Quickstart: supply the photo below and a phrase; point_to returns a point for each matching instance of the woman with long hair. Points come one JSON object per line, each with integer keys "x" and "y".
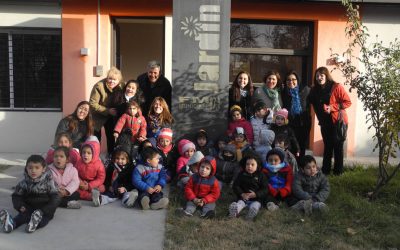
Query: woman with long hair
{"x": 158, "y": 117}
{"x": 241, "y": 92}
{"x": 328, "y": 99}
{"x": 78, "y": 125}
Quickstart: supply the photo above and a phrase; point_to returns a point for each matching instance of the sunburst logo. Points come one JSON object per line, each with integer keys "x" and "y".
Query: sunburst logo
{"x": 191, "y": 26}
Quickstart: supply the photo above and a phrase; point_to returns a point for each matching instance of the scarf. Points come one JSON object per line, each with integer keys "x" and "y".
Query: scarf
{"x": 166, "y": 149}
{"x": 243, "y": 92}
{"x": 273, "y": 95}
{"x": 295, "y": 109}
{"x": 274, "y": 168}
{"x": 154, "y": 123}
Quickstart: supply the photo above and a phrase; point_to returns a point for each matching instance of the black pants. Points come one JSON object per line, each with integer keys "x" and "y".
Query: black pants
{"x": 302, "y": 135}
{"x": 154, "y": 197}
{"x": 73, "y": 197}
{"x": 331, "y": 147}
{"x": 109, "y": 131}
{"x": 25, "y": 217}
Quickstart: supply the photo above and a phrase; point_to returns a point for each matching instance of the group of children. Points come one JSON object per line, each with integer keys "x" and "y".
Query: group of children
{"x": 257, "y": 159}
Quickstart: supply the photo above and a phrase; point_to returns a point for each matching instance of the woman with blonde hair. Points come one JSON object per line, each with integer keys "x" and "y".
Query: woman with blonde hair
{"x": 158, "y": 117}
{"x": 104, "y": 111}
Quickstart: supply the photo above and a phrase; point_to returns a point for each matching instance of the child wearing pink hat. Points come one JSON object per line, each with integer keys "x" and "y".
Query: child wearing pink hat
{"x": 280, "y": 126}
{"x": 186, "y": 149}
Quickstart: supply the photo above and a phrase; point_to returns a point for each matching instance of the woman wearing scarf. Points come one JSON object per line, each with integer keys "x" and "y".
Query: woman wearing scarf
{"x": 295, "y": 101}
{"x": 269, "y": 93}
{"x": 241, "y": 93}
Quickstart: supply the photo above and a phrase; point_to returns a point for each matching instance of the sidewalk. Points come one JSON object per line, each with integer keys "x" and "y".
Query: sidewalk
{"x": 101, "y": 228}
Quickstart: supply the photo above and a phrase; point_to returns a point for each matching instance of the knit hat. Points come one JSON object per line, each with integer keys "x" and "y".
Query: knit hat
{"x": 230, "y": 148}
{"x": 277, "y": 151}
{"x": 235, "y": 108}
{"x": 283, "y": 113}
{"x": 239, "y": 131}
{"x": 184, "y": 145}
{"x": 259, "y": 105}
{"x": 165, "y": 133}
{"x": 196, "y": 157}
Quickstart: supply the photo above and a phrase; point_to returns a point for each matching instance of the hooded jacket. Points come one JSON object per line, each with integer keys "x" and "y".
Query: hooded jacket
{"x": 205, "y": 188}
{"x": 246, "y": 125}
{"x": 280, "y": 183}
{"x": 92, "y": 172}
{"x": 68, "y": 180}
{"x": 246, "y": 182}
{"x": 40, "y": 193}
{"x": 137, "y": 125}
{"x": 311, "y": 187}
{"x": 183, "y": 160}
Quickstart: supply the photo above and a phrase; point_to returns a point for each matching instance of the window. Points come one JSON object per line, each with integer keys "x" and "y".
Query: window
{"x": 257, "y": 47}
{"x": 30, "y": 69}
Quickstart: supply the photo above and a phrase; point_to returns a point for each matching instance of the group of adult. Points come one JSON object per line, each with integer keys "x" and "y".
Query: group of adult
{"x": 327, "y": 98}
{"x": 324, "y": 95}
{"x": 106, "y": 98}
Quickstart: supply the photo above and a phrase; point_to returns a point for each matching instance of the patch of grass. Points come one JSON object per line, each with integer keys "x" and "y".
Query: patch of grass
{"x": 3, "y": 167}
{"x": 353, "y": 222}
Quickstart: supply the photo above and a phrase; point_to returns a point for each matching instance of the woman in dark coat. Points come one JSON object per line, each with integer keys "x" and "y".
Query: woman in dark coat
{"x": 241, "y": 92}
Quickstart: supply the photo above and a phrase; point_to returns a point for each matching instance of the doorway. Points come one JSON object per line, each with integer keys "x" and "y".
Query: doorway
{"x": 136, "y": 41}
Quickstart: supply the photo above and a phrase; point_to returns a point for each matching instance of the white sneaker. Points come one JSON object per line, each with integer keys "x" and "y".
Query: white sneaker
{"x": 233, "y": 210}
{"x": 132, "y": 198}
{"x": 96, "y": 197}
{"x": 73, "y": 204}
{"x": 272, "y": 206}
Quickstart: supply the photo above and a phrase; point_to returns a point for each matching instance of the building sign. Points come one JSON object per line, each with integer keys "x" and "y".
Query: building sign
{"x": 200, "y": 56}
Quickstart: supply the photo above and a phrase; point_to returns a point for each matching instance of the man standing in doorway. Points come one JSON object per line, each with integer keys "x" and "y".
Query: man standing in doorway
{"x": 153, "y": 84}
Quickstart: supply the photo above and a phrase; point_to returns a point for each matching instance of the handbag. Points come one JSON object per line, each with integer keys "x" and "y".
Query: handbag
{"x": 340, "y": 128}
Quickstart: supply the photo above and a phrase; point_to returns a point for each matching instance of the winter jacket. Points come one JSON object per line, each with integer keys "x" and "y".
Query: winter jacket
{"x": 100, "y": 102}
{"x": 311, "y": 187}
{"x": 41, "y": 193}
{"x": 256, "y": 182}
{"x": 168, "y": 160}
{"x": 120, "y": 101}
{"x": 119, "y": 176}
{"x": 78, "y": 136}
{"x": 227, "y": 170}
{"x": 205, "y": 188}
{"x": 332, "y": 94}
{"x": 242, "y": 149}
{"x": 280, "y": 183}
{"x": 145, "y": 176}
{"x": 162, "y": 87}
{"x": 137, "y": 125}
{"x": 260, "y": 96}
{"x": 69, "y": 180}
{"x": 244, "y": 103}
{"x": 304, "y": 118}
{"x": 92, "y": 172}
{"x": 246, "y": 125}
{"x": 73, "y": 158}
{"x": 289, "y": 133}
{"x": 259, "y": 126}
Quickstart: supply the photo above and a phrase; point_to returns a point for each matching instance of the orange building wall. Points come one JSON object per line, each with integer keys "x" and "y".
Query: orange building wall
{"x": 79, "y": 26}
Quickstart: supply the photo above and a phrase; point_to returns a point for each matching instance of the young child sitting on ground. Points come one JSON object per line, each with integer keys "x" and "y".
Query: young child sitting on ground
{"x": 150, "y": 178}
{"x": 310, "y": 187}
{"x": 202, "y": 191}
{"x": 91, "y": 172}
{"x": 186, "y": 149}
{"x": 239, "y": 121}
{"x": 66, "y": 177}
{"x": 35, "y": 198}
{"x": 280, "y": 178}
{"x": 202, "y": 142}
{"x": 165, "y": 148}
{"x": 250, "y": 187}
{"x": 281, "y": 127}
{"x": 118, "y": 182}
{"x": 63, "y": 139}
{"x": 219, "y": 145}
{"x": 263, "y": 136}
{"x": 282, "y": 142}
{"x": 190, "y": 168}
{"x": 227, "y": 166}
{"x": 241, "y": 143}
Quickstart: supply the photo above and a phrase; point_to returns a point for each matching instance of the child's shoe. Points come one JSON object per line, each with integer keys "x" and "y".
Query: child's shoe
{"x": 233, "y": 210}
{"x": 145, "y": 202}
{"x": 73, "y": 204}
{"x": 132, "y": 198}
{"x": 36, "y": 218}
{"x": 6, "y": 221}
{"x": 252, "y": 213}
{"x": 183, "y": 212}
{"x": 162, "y": 203}
{"x": 96, "y": 197}
{"x": 272, "y": 206}
{"x": 209, "y": 215}
{"x": 308, "y": 207}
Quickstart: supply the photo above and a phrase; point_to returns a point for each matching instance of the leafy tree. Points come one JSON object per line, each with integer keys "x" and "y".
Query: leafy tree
{"x": 377, "y": 86}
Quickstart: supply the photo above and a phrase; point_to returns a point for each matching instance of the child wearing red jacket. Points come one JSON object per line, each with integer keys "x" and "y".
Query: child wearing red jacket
{"x": 202, "y": 191}
{"x": 239, "y": 121}
{"x": 133, "y": 120}
{"x": 280, "y": 178}
{"x": 91, "y": 172}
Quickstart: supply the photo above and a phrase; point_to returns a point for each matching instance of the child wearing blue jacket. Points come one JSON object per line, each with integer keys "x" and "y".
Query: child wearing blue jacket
{"x": 149, "y": 178}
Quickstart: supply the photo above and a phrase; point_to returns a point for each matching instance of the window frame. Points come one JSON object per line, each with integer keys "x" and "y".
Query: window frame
{"x": 10, "y": 53}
